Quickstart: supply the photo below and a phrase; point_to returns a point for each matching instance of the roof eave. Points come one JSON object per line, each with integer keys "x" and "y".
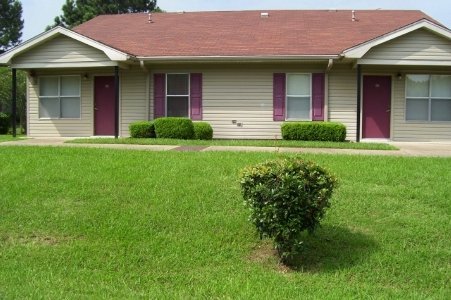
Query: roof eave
{"x": 237, "y": 58}
{"x": 112, "y": 53}
{"x": 360, "y": 50}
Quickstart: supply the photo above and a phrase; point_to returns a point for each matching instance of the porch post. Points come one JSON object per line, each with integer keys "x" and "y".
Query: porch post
{"x": 116, "y": 102}
{"x": 359, "y": 92}
{"x": 14, "y": 100}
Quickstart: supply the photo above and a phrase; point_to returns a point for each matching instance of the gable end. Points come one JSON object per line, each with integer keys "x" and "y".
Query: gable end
{"x": 359, "y": 51}
{"x": 60, "y": 50}
{"x": 413, "y": 48}
{"x": 66, "y": 47}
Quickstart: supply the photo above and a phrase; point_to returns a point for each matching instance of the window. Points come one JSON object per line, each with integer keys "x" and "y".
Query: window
{"x": 59, "y": 97}
{"x": 299, "y": 97}
{"x": 177, "y": 95}
{"x": 428, "y": 98}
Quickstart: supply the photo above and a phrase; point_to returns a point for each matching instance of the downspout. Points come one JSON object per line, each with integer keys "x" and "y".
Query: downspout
{"x": 14, "y": 100}
{"x": 326, "y": 89}
{"x": 359, "y": 91}
{"x": 329, "y": 65}
{"x": 116, "y": 102}
{"x": 143, "y": 66}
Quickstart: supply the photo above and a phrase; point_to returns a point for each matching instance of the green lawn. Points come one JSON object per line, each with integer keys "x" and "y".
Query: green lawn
{"x": 8, "y": 138}
{"x": 258, "y": 143}
{"x": 100, "y": 223}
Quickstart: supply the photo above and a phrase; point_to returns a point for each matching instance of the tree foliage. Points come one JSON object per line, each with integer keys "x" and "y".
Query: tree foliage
{"x": 11, "y": 24}
{"x": 286, "y": 197}
{"x": 5, "y": 93}
{"x": 76, "y": 12}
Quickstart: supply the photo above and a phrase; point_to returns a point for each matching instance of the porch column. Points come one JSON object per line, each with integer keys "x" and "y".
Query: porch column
{"x": 359, "y": 92}
{"x": 116, "y": 102}
{"x": 14, "y": 100}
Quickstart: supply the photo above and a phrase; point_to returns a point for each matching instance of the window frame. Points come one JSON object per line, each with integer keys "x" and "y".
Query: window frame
{"x": 286, "y": 97}
{"x": 167, "y": 95}
{"x": 429, "y": 98}
{"x": 59, "y": 96}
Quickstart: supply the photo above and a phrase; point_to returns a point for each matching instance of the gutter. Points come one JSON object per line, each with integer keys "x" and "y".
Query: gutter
{"x": 220, "y": 58}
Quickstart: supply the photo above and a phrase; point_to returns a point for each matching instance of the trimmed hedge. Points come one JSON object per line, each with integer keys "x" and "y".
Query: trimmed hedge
{"x": 286, "y": 197}
{"x": 5, "y": 120}
{"x": 142, "y": 129}
{"x": 202, "y": 131}
{"x": 314, "y": 131}
{"x": 174, "y": 128}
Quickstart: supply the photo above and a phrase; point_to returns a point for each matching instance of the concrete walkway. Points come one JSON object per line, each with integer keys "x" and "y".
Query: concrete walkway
{"x": 406, "y": 148}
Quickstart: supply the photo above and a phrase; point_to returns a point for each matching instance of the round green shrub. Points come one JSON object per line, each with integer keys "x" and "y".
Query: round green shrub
{"x": 174, "y": 128}
{"x": 202, "y": 131}
{"x": 286, "y": 197}
{"x": 142, "y": 129}
{"x": 5, "y": 122}
{"x": 314, "y": 131}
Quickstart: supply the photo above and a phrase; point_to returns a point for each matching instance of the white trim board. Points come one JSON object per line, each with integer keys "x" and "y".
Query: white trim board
{"x": 410, "y": 62}
{"x": 65, "y": 65}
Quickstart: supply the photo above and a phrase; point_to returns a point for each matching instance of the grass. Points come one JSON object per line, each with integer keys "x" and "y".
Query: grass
{"x": 257, "y": 143}
{"x": 9, "y": 138}
{"x": 100, "y": 223}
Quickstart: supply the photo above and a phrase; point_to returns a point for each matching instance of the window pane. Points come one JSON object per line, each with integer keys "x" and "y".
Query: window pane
{"x": 417, "y": 109}
{"x": 441, "y": 86}
{"x": 177, "y": 84}
{"x": 298, "y": 108}
{"x": 70, "y": 86}
{"x": 441, "y": 110}
{"x": 177, "y": 107}
{"x": 417, "y": 85}
{"x": 70, "y": 107}
{"x": 48, "y": 86}
{"x": 49, "y": 108}
{"x": 298, "y": 84}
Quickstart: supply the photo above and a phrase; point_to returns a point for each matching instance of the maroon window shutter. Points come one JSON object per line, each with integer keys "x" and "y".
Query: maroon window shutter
{"x": 159, "y": 95}
{"x": 196, "y": 96}
{"x": 318, "y": 87}
{"x": 279, "y": 80}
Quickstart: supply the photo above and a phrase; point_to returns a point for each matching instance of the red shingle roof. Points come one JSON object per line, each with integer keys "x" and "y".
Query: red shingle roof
{"x": 245, "y": 33}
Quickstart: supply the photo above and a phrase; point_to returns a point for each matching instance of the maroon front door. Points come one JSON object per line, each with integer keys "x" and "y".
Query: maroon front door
{"x": 104, "y": 105}
{"x": 376, "y": 107}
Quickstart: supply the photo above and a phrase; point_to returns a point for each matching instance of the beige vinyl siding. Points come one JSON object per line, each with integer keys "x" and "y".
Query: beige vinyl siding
{"x": 343, "y": 98}
{"x": 61, "y": 50}
{"x": 417, "y": 45}
{"x": 134, "y": 98}
{"x": 410, "y": 131}
{"x": 245, "y": 97}
{"x": 343, "y": 95}
{"x": 63, "y": 127}
{"x": 415, "y": 131}
{"x": 133, "y": 104}
{"x": 242, "y": 93}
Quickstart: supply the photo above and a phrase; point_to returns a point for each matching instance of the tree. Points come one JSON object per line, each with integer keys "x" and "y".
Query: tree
{"x": 5, "y": 94}
{"x": 76, "y": 12}
{"x": 11, "y": 24}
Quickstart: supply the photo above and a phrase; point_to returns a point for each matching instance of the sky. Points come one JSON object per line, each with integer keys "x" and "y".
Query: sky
{"x": 38, "y": 14}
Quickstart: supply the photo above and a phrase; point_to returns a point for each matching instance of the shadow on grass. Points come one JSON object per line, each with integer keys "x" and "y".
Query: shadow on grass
{"x": 328, "y": 249}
